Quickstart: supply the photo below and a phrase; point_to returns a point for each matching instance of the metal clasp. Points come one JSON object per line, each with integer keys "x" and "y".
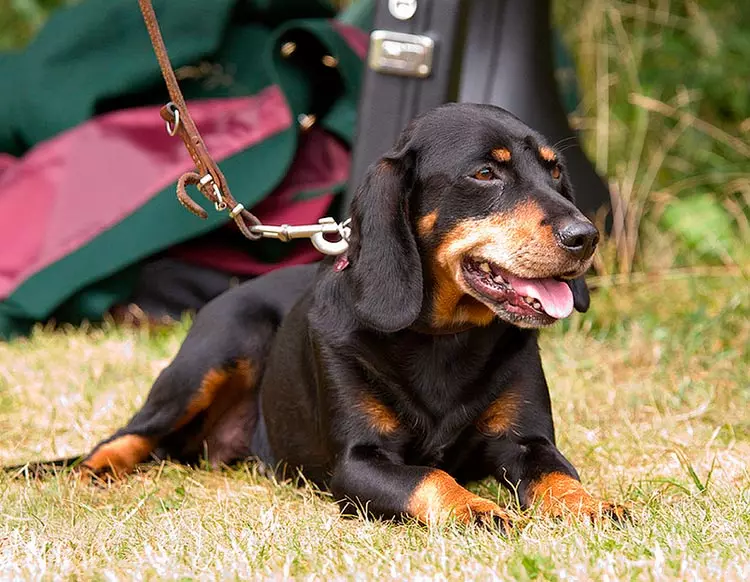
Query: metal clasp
{"x": 315, "y": 232}
{"x": 219, "y": 203}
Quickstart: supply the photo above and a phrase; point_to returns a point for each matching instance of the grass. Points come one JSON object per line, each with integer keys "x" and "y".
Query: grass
{"x": 650, "y": 392}
{"x": 650, "y": 389}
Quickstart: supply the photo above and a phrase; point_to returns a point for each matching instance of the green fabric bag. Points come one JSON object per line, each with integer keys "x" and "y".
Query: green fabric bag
{"x": 96, "y": 57}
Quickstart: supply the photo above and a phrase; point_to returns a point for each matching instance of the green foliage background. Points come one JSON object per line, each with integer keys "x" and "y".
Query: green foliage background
{"x": 665, "y": 114}
{"x": 20, "y": 19}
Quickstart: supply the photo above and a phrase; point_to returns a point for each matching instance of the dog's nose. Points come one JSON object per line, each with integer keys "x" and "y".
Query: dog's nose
{"x": 579, "y": 238}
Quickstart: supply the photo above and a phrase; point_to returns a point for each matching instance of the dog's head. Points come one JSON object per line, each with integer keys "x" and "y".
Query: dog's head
{"x": 468, "y": 218}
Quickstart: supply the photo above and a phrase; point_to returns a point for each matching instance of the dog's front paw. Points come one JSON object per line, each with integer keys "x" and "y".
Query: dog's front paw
{"x": 486, "y": 513}
{"x": 561, "y": 496}
{"x": 589, "y": 508}
{"x": 438, "y": 498}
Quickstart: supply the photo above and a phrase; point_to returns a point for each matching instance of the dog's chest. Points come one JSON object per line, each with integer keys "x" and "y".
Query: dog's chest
{"x": 442, "y": 387}
{"x": 439, "y": 399}
{"x": 435, "y": 448}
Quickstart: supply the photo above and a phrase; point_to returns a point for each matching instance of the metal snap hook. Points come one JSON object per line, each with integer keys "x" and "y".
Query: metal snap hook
{"x": 327, "y": 247}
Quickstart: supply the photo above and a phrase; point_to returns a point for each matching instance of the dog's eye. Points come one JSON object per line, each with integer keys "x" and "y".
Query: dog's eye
{"x": 485, "y": 173}
{"x": 556, "y": 172}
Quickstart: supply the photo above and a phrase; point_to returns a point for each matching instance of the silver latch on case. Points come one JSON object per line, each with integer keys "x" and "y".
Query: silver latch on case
{"x": 397, "y": 53}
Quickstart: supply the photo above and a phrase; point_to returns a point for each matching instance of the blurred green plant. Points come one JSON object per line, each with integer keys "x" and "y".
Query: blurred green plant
{"x": 666, "y": 115}
{"x": 21, "y": 19}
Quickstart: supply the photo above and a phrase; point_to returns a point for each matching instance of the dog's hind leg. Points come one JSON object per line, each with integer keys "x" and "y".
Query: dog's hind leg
{"x": 204, "y": 404}
{"x": 183, "y": 417}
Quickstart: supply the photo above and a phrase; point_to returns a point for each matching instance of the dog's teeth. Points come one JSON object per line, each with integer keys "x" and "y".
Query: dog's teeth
{"x": 537, "y": 305}
{"x": 485, "y": 267}
{"x": 498, "y": 279}
{"x": 529, "y": 300}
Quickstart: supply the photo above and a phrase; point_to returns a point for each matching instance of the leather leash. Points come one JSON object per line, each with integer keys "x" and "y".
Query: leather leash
{"x": 209, "y": 179}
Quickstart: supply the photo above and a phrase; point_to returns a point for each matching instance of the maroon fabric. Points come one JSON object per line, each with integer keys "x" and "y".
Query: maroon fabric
{"x": 68, "y": 190}
{"x": 321, "y": 163}
{"x": 358, "y": 40}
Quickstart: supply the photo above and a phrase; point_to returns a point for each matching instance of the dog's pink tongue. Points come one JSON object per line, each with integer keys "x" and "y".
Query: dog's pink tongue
{"x": 555, "y": 296}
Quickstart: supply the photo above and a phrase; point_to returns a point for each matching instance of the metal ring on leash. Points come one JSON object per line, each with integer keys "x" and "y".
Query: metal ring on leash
{"x": 172, "y": 129}
{"x": 327, "y": 247}
{"x": 236, "y": 210}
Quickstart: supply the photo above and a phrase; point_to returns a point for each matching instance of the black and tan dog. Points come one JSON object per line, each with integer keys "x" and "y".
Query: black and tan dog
{"x": 409, "y": 366}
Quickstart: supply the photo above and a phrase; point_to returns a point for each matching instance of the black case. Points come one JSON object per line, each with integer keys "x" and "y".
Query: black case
{"x": 508, "y": 61}
{"x": 485, "y": 51}
{"x": 389, "y": 100}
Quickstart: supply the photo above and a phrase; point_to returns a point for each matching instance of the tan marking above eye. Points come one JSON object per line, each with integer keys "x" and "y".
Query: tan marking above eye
{"x": 501, "y": 154}
{"x": 547, "y": 154}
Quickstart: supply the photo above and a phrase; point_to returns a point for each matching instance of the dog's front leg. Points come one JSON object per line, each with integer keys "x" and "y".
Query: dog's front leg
{"x": 544, "y": 478}
{"x": 372, "y": 479}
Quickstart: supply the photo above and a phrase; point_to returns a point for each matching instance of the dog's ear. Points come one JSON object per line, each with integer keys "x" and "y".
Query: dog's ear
{"x": 581, "y": 298}
{"x": 385, "y": 273}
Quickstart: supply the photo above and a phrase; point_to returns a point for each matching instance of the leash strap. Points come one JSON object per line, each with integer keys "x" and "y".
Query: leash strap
{"x": 209, "y": 179}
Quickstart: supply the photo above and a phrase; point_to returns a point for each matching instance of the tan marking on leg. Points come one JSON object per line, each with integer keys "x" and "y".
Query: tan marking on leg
{"x": 547, "y": 154}
{"x": 380, "y": 416}
{"x": 500, "y": 416}
{"x": 559, "y": 494}
{"x": 501, "y": 154}
{"x": 211, "y": 384}
{"x": 209, "y": 387}
{"x": 438, "y": 497}
{"x": 120, "y": 455}
{"x": 221, "y": 393}
{"x": 426, "y": 223}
